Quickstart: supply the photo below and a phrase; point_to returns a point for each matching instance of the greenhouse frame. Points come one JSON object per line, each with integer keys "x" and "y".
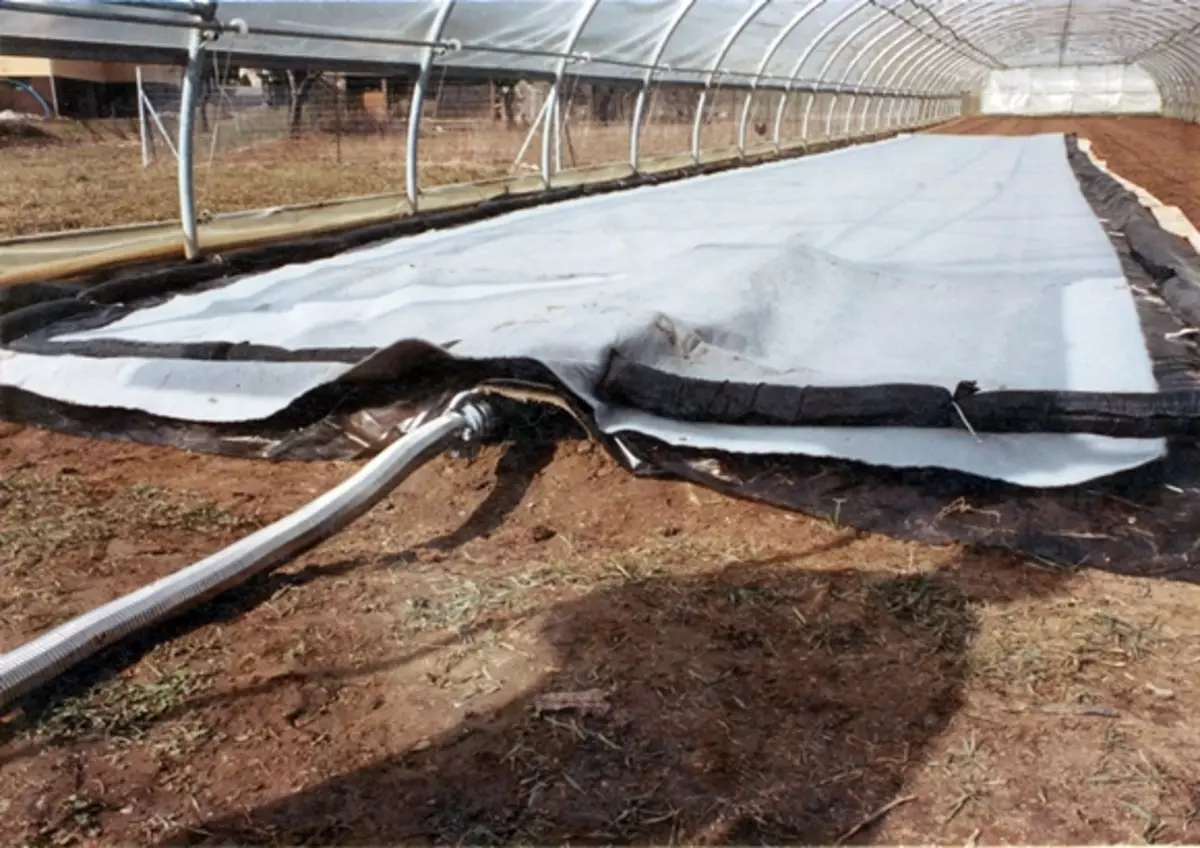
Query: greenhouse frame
{"x": 889, "y": 64}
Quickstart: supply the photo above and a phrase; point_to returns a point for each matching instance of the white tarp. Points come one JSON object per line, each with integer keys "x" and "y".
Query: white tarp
{"x": 927, "y": 259}
{"x": 1100, "y": 90}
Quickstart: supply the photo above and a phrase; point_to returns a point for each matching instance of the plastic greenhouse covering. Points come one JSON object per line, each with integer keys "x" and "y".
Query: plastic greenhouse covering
{"x": 918, "y": 47}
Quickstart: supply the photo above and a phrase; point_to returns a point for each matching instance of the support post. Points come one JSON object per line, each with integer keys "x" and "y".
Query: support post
{"x": 54, "y": 95}
{"x": 144, "y": 122}
{"x": 416, "y": 107}
{"x": 834, "y": 55}
{"x": 550, "y": 139}
{"x": 185, "y": 143}
{"x": 560, "y": 126}
{"x": 732, "y": 36}
{"x": 639, "y": 109}
{"x": 817, "y": 41}
{"x": 765, "y": 62}
{"x": 829, "y": 29}
{"x": 889, "y": 56}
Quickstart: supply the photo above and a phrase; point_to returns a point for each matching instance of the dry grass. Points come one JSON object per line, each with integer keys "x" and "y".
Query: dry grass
{"x": 75, "y": 176}
{"x": 64, "y": 175}
{"x": 98, "y": 180}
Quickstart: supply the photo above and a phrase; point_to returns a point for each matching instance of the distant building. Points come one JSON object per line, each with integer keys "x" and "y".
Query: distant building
{"x": 78, "y": 89}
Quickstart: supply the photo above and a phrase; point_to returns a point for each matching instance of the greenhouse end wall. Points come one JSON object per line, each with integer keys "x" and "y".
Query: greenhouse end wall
{"x": 1103, "y": 90}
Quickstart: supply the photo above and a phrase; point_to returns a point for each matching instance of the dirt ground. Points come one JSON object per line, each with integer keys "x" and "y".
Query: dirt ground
{"x": 533, "y": 646}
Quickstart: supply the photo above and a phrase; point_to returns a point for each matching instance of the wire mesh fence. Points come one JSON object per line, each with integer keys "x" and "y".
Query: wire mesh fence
{"x": 267, "y": 138}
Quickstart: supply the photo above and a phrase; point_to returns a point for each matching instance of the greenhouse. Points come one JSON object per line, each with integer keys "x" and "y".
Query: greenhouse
{"x": 927, "y": 269}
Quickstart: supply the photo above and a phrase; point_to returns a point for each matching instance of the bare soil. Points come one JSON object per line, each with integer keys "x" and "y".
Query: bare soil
{"x": 534, "y": 646}
{"x": 1159, "y": 154}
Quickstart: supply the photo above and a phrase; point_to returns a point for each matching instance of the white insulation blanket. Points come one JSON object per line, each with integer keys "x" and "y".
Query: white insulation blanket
{"x": 927, "y": 259}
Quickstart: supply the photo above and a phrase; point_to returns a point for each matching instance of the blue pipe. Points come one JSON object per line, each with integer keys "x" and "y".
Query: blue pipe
{"x": 29, "y": 89}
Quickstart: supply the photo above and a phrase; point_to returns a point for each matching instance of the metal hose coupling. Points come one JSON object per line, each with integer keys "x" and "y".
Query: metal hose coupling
{"x": 480, "y": 418}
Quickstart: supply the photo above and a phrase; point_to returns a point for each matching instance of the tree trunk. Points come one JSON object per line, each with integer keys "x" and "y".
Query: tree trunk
{"x": 510, "y": 106}
{"x": 299, "y": 88}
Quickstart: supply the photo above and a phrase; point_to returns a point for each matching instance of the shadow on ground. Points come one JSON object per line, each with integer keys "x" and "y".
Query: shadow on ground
{"x": 758, "y": 703}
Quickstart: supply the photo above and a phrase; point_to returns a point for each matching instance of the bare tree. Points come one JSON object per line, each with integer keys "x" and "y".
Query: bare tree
{"x": 300, "y": 86}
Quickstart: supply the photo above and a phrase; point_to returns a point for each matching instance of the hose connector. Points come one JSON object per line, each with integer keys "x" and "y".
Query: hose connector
{"x": 480, "y": 420}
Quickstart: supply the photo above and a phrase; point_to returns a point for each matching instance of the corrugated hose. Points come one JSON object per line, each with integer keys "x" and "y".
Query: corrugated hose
{"x": 466, "y": 419}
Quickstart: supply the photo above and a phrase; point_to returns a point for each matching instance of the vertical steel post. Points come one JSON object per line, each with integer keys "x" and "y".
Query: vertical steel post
{"x": 730, "y": 38}
{"x": 781, "y": 111}
{"x": 143, "y": 121}
{"x": 185, "y": 143}
{"x": 639, "y": 109}
{"x": 776, "y": 43}
{"x": 416, "y": 108}
{"x": 550, "y": 128}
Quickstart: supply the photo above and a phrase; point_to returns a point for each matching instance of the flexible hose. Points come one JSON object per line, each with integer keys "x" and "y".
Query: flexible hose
{"x": 47, "y": 112}
{"x": 52, "y": 653}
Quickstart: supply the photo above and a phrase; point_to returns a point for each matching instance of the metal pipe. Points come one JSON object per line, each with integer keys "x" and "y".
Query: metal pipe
{"x": 780, "y": 37}
{"x": 886, "y": 56}
{"x": 240, "y": 27}
{"x": 529, "y": 136}
{"x": 871, "y": 48}
{"x": 417, "y": 106}
{"x": 185, "y": 143}
{"x": 52, "y": 653}
{"x": 781, "y": 110}
{"x": 963, "y": 45}
{"x": 639, "y": 109}
{"x": 730, "y": 37}
{"x": 903, "y": 74}
{"x": 550, "y": 129}
{"x": 162, "y": 129}
{"x": 836, "y": 53}
{"x": 25, "y": 87}
{"x": 143, "y": 122}
{"x": 967, "y": 11}
{"x": 54, "y": 94}
{"x": 1157, "y": 19}
{"x": 560, "y": 125}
